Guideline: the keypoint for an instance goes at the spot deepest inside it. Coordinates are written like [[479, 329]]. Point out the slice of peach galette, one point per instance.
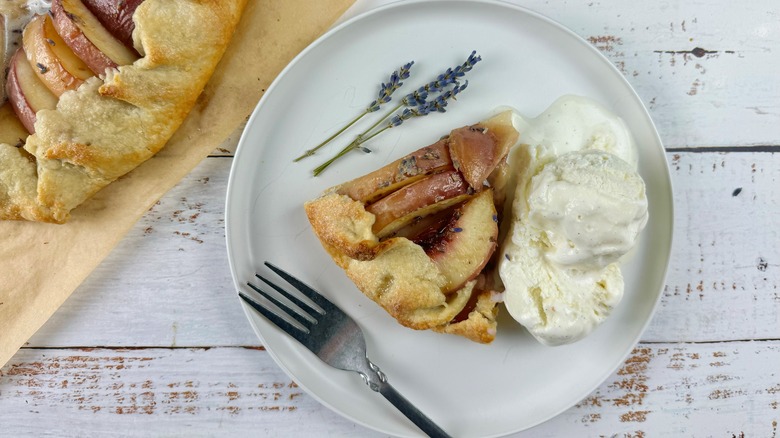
[[418, 236], [96, 88]]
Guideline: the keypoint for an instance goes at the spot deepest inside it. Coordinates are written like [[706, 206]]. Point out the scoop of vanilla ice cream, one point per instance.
[[572, 221], [556, 305], [579, 205], [575, 123], [590, 206]]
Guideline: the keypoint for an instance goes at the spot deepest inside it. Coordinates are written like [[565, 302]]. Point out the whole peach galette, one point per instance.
[[94, 88]]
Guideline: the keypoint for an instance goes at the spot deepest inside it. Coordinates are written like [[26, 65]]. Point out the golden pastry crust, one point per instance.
[[344, 225], [434, 277], [480, 325], [109, 126], [396, 273]]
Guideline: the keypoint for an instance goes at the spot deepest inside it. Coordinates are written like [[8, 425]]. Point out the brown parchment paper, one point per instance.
[[41, 264]]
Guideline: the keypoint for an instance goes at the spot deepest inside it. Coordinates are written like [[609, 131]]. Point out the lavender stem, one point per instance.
[[311, 151]]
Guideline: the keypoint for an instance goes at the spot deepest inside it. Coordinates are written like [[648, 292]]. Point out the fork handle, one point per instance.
[[423, 422], [402, 404]]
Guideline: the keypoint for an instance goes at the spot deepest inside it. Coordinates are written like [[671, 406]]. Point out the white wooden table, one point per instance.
[[154, 343]]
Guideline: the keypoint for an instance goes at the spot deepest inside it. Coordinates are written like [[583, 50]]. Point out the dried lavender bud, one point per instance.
[[387, 89], [416, 103]]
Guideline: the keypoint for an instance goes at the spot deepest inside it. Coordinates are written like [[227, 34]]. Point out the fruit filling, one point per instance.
[[50, 48], [419, 235]]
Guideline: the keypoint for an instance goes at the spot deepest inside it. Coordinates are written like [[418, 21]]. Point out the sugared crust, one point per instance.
[[481, 323], [344, 224], [396, 273], [17, 183], [109, 126], [407, 284]]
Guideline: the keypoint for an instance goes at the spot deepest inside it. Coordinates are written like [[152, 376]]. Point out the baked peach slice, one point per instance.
[[404, 171], [427, 196], [116, 16], [54, 62], [26, 92], [476, 150], [3, 55], [88, 38], [462, 243], [11, 129]]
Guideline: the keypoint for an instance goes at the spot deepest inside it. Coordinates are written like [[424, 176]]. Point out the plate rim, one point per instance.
[[400, 4]]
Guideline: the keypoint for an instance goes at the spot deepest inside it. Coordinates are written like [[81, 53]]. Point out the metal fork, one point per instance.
[[335, 338]]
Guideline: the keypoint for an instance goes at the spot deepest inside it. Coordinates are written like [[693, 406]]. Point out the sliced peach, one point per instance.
[[66, 27], [462, 244], [97, 33], [2, 38], [11, 129], [8, 41], [420, 224], [413, 167], [56, 65], [2, 56], [424, 197], [63, 52], [26, 92], [471, 304], [398, 227], [88, 38], [476, 150], [116, 17]]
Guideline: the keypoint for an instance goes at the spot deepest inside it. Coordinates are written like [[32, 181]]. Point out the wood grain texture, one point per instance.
[[167, 392], [704, 69], [723, 281], [181, 293], [661, 390]]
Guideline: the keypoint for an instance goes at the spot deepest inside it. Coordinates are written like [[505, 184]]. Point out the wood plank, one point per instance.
[[163, 392], [705, 69], [724, 269], [723, 281], [719, 389], [702, 68], [167, 283]]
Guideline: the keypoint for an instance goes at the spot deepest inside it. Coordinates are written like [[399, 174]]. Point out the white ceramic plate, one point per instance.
[[528, 61]]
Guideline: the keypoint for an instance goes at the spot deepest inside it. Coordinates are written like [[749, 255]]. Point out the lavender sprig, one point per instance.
[[439, 104], [386, 90], [420, 96]]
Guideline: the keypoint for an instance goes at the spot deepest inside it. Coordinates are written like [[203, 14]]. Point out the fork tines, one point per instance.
[[303, 314], [332, 336]]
